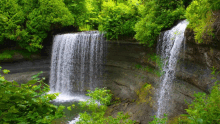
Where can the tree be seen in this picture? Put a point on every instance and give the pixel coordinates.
(28, 21)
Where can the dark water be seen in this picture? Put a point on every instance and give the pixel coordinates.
(70, 115)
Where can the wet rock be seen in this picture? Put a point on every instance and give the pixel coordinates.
(193, 71)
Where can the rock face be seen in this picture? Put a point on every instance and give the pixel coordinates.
(193, 74)
(125, 77)
(22, 71)
(193, 71)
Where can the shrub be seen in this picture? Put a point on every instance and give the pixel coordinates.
(27, 103)
(118, 18)
(199, 15)
(157, 15)
(159, 120)
(98, 110)
(205, 108)
(28, 22)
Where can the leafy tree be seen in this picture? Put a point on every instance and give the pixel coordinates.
(27, 103)
(118, 18)
(28, 21)
(78, 10)
(200, 17)
(157, 15)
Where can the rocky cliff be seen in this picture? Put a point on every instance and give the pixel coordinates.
(193, 74)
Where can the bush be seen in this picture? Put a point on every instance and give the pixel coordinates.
(118, 18)
(199, 15)
(205, 108)
(28, 22)
(27, 103)
(157, 15)
(98, 110)
(159, 120)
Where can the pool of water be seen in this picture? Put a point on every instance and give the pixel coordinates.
(70, 116)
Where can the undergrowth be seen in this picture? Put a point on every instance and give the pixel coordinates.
(8, 54)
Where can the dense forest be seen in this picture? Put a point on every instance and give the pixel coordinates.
(28, 22)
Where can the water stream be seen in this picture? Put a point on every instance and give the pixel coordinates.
(168, 48)
(76, 65)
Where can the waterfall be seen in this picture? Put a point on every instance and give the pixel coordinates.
(77, 62)
(168, 48)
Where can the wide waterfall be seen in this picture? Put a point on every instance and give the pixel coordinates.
(169, 45)
(77, 62)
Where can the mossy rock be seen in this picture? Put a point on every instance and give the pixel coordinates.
(144, 94)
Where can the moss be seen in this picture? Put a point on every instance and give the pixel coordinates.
(154, 64)
(178, 120)
(116, 100)
(144, 94)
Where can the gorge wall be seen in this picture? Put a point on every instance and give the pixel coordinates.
(193, 74)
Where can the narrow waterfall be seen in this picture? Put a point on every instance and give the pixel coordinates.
(77, 62)
(168, 48)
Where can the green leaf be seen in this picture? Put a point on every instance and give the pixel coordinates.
(35, 77)
(2, 79)
(31, 82)
(199, 120)
(5, 71)
(69, 108)
(73, 105)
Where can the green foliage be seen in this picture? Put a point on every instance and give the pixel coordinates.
(8, 54)
(205, 108)
(138, 66)
(118, 18)
(28, 21)
(91, 20)
(98, 110)
(143, 93)
(152, 58)
(199, 15)
(36, 77)
(79, 11)
(27, 103)
(157, 15)
(159, 120)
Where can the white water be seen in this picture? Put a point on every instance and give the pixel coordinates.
(76, 64)
(75, 120)
(169, 48)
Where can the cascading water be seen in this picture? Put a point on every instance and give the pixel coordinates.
(77, 62)
(168, 48)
